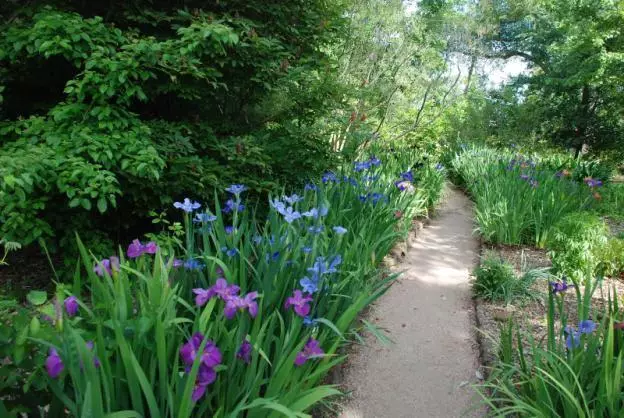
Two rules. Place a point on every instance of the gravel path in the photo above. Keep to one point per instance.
(428, 314)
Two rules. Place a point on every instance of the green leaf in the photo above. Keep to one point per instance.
(102, 205)
(37, 297)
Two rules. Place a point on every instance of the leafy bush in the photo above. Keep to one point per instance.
(577, 246)
(577, 372)
(268, 300)
(612, 258)
(495, 280)
(132, 105)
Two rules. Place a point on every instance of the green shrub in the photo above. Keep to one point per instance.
(149, 101)
(577, 245)
(612, 258)
(496, 280)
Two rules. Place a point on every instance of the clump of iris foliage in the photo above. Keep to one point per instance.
(575, 372)
(519, 198)
(244, 318)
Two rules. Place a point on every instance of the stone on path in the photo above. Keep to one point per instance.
(428, 313)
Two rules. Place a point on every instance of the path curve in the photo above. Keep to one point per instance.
(428, 313)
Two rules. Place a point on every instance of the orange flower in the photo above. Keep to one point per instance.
(597, 196)
(566, 173)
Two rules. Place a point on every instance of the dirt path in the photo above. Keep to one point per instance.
(428, 313)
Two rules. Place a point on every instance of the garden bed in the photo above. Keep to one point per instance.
(528, 315)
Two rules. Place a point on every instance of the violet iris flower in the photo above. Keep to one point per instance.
(244, 352)
(187, 206)
(559, 286)
(107, 265)
(312, 349)
(209, 358)
(236, 303)
(71, 305)
(137, 249)
(374, 161)
(329, 176)
(300, 303)
(54, 365)
(291, 200)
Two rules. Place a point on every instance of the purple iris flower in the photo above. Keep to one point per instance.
(204, 218)
(310, 186)
(559, 286)
(300, 303)
(137, 249)
(231, 252)
(107, 266)
(221, 289)
(244, 352)
(278, 205)
(236, 189)
(71, 305)
(54, 365)
(187, 206)
(236, 303)
(312, 349)
(229, 229)
(524, 177)
(351, 181)
(307, 250)
(209, 358)
(339, 230)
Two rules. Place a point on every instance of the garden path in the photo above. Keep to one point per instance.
(428, 313)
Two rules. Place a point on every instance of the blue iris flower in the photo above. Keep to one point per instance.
(374, 161)
(230, 206)
(316, 229)
(408, 175)
(229, 229)
(307, 250)
(293, 199)
(339, 230)
(362, 166)
(309, 285)
(291, 215)
(193, 264)
(309, 322)
(187, 206)
(310, 186)
(236, 189)
(204, 217)
(329, 176)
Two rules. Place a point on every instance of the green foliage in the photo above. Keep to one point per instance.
(577, 246)
(612, 258)
(495, 280)
(518, 198)
(571, 374)
(153, 100)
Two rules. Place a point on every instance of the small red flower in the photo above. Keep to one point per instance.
(398, 214)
